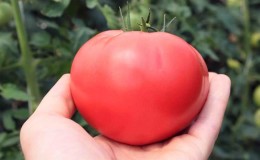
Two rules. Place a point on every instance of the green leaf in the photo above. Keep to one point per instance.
(249, 132)
(8, 51)
(64, 52)
(11, 91)
(110, 15)
(226, 18)
(63, 49)
(7, 43)
(78, 22)
(8, 121)
(221, 152)
(80, 36)
(55, 8)
(2, 137)
(91, 3)
(21, 113)
(54, 70)
(206, 50)
(180, 11)
(49, 24)
(40, 39)
(200, 5)
(10, 141)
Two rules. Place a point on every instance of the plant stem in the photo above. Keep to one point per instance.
(249, 59)
(26, 59)
(248, 63)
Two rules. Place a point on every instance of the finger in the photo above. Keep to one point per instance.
(58, 100)
(207, 126)
(211, 75)
(50, 123)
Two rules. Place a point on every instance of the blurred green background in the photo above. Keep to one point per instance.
(226, 33)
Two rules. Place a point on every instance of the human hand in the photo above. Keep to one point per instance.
(50, 133)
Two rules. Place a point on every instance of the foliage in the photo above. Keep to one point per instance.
(225, 32)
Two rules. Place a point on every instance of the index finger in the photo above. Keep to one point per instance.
(58, 100)
(206, 128)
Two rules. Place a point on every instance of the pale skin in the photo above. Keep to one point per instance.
(50, 133)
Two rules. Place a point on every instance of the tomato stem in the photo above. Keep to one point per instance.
(148, 17)
(248, 64)
(145, 25)
(26, 59)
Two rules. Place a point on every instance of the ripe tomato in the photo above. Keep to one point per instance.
(136, 87)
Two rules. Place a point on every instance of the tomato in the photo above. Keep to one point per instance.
(255, 39)
(5, 13)
(256, 95)
(257, 118)
(233, 64)
(137, 87)
(233, 3)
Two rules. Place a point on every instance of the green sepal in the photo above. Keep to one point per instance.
(122, 18)
(129, 27)
(143, 26)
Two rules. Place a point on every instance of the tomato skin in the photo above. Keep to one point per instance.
(136, 87)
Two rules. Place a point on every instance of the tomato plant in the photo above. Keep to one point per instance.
(138, 87)
(56, 29)
(5, 13)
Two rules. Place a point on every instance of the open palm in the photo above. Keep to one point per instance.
(50, 133)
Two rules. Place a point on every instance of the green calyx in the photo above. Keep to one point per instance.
(145, 25)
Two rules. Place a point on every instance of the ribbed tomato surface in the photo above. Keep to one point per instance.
(136, 87)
